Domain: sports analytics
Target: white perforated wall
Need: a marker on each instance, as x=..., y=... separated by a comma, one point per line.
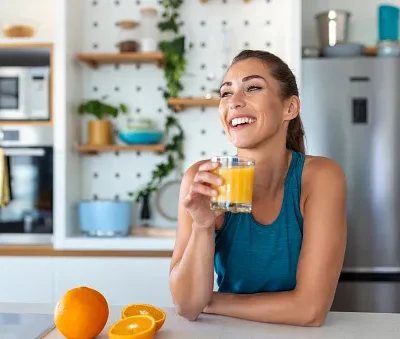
x=217, y=30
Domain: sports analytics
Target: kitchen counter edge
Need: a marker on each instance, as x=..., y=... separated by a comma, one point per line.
x=50, y=251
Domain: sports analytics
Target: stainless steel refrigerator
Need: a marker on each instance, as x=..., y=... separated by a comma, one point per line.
x=351, y=113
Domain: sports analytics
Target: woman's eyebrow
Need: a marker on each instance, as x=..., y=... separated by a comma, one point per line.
x=247, y=78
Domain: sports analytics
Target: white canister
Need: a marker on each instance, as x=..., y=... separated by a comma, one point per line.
x=149, y=34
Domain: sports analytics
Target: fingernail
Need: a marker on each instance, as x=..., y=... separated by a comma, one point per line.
x=219, y=181
x=214, y=192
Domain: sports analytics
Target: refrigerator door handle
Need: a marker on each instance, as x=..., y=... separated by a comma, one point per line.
x=370, y=274
x=378, y=269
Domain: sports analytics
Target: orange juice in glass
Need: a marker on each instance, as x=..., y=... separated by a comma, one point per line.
x=236, y=192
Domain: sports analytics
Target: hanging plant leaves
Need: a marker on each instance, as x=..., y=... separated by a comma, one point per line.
x=169, y=25
x=175, y=64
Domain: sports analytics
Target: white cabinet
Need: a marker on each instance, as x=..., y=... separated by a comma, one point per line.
x=26, y=280
x=121, y=280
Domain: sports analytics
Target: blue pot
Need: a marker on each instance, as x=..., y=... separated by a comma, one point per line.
x=105, y=218
x=140, y=137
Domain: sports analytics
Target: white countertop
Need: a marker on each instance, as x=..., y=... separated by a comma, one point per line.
x=337, y=326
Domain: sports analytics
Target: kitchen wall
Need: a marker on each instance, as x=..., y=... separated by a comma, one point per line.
x=89, y=26
x=363, y=22
x=39, y=12
x=233, y=27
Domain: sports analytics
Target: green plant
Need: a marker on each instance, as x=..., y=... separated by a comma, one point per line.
x=99, y=109
x=174, y=67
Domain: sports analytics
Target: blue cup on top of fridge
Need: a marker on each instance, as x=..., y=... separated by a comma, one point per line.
x=388, y=23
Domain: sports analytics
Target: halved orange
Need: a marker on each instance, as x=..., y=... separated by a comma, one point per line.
x=145, y=309
x=135, y=327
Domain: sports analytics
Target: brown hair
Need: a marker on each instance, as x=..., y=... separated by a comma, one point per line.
x=288, y=87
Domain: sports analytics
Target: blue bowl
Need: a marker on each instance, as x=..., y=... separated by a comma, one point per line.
x=140, y=137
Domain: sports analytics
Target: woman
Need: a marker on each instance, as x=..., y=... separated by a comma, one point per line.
x=281, y=263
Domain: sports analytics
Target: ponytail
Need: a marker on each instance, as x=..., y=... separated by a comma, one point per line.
x=295, y=135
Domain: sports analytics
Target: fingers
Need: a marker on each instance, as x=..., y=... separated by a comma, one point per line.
x=208, y=166
x=190, y=200
x=207, y=178
x=204, y=183
x=203, y=189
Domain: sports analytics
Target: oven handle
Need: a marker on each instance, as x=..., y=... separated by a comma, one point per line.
x=31, y=152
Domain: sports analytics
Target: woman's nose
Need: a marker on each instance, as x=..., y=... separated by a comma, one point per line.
x=236, y=101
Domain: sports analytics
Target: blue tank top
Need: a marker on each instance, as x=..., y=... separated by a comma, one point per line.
x=253, y=258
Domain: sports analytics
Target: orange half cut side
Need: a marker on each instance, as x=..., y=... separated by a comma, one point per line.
x=145, y=309
x=134, y=327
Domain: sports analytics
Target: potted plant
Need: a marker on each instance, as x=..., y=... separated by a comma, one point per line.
x=100, y=131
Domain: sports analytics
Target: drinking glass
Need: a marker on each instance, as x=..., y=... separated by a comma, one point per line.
x=236, y=192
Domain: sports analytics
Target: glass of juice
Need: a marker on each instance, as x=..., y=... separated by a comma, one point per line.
x=236, y=192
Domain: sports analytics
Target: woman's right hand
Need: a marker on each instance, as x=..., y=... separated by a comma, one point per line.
x=197, y=201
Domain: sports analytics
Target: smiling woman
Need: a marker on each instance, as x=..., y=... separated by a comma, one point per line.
x=281, y=262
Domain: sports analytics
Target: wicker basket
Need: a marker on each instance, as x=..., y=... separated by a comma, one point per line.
x=19, y=31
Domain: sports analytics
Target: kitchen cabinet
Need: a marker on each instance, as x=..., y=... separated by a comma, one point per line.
x=121, y=280
x=26, y=280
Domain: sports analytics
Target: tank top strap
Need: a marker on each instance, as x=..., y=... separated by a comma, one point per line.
x=295, y=171
x=292, y=193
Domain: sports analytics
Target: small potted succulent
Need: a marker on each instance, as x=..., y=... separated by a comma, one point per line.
x=100, y=130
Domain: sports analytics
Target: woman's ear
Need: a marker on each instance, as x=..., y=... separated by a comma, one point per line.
x=292, y=108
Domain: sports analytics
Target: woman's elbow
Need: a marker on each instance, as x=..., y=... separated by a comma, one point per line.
x=187, y=312
x=188, y=308
x=315, y=316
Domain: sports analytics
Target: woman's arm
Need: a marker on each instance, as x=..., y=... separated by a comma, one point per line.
x=320, y=262
x=192, y=264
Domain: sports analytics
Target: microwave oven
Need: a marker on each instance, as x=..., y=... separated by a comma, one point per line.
x=25, y=93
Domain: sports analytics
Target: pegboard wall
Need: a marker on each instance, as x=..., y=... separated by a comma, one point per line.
x=216, y=31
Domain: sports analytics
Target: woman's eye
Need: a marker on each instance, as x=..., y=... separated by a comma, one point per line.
x=253, y=88
x=224, y=94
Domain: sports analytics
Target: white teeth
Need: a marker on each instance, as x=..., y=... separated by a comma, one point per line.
x=240, y=121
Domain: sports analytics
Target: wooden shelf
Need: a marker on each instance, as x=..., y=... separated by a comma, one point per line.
x=24, y=43
x=92, y=149
x=180, y=103
x=95, y=59
x=26, y=122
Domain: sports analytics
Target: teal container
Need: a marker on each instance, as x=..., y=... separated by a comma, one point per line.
x=388, y=23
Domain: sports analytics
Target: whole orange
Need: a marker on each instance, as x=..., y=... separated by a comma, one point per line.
x=81, y=313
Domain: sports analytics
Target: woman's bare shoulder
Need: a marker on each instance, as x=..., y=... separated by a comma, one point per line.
x=321, y=171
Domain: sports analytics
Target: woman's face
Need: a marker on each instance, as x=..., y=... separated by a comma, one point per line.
x=251, y=109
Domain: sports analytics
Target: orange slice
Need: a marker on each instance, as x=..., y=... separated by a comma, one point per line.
x=145, y=309
x=135, y=327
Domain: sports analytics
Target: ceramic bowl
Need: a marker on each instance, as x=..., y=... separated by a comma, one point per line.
x=139, y=137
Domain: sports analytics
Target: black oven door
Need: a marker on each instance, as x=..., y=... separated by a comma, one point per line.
x=31, y=182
